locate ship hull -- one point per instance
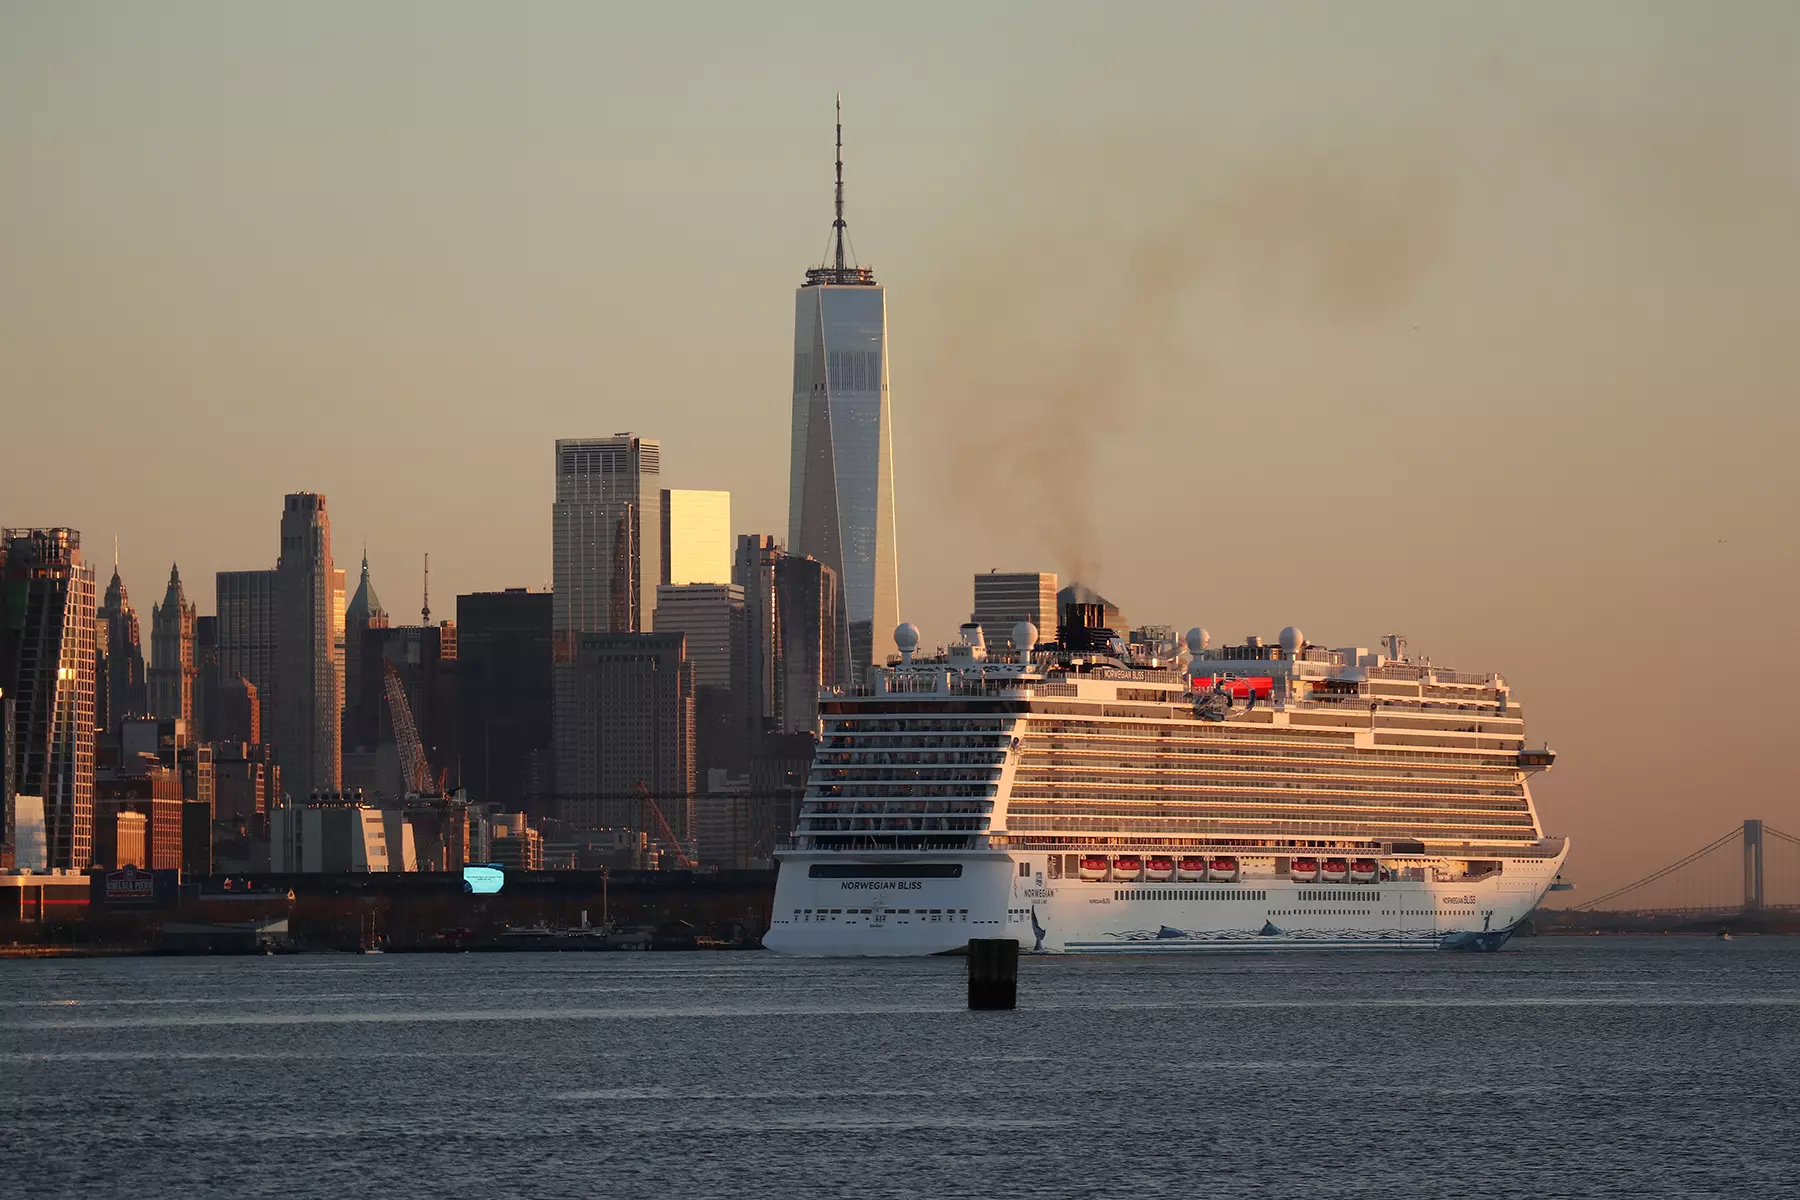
(869, 907)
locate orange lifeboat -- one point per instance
(1304, 870)
(1191, 869)
(1093, 867)
(1364, 870)
(1333, 870)
(1159, 868)
(1222, 869)
(1128, 866)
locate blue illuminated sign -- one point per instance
(484, 879)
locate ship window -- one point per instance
(1024, 870)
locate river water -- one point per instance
(1559, 1067)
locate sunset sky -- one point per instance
(1477, 323)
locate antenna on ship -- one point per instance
(838, 224)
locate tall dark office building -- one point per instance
(47, 661)
(423, 659)
(606, 549)
(246, 609)
(753, 570)
(809, 647)
(172, 655)
(711, 615)
(503, 697)
(309, 665)
(632, 718)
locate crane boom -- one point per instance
(653, 809)
(406, 735)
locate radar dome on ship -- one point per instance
(1025, 636)
(1197, 640)
(906, 637)
(1292, 640)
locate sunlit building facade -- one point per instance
(696, 533)
(47, 662)
(841, 476)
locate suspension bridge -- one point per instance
(1753, 868)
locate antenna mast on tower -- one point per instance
(838, 225)
(425, 608)
(838, 267)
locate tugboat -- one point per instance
(1304, 870)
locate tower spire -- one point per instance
(838, 224)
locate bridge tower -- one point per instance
(1753, 866)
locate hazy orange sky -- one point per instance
(1480, 323)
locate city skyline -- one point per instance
(1552, 458)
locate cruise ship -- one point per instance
(1099, 796)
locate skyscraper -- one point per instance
(607, 544)
(363, 614)
(841, 477)
(47, 663)
(126, 688)
(309, 687)
(606, 548)
(696, 537)
(809, 655)
(246, 610)
(753, 570)
(172, 655)
(1004, 598)
(711, 616)
(630, 716)
(503, 697)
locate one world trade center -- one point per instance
(841, 484)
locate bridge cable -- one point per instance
(1711, 846)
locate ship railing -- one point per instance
(791, 847)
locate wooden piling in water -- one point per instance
(993, 973)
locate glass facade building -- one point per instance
(841, 485)
(696, 537)
(841, 475)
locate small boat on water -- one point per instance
(1724, 935)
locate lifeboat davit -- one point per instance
(1093, 868)
(1128, 866)
(1333, 870)
(1191, 869)
(1159, 868)
(1364, 870)
(1222, 869)
(1304, 870)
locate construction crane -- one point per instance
(413, 765)
(652, 809)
